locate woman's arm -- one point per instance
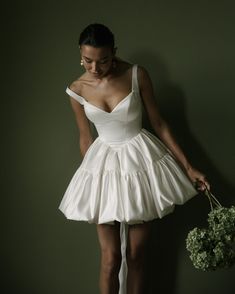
(85, 135)
(163, 131)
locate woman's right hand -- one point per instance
(198, 179)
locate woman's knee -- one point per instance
(111, 261)
(137, 241)
(135, 256)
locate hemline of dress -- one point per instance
(112, 221)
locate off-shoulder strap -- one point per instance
(74, 95)
(135, 85)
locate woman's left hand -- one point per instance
(198, 179)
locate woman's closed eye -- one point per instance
(100, 62)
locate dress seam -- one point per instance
(127, 173)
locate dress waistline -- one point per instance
(120, 142)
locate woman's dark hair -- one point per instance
(97, 35)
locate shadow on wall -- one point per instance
(169, 233)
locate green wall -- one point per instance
(188, 48)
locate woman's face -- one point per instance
(97, 61)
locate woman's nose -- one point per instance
(94, 67)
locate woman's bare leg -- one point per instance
(109, 239)
(137, 240)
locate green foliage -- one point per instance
(213, 247)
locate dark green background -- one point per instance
(188, 48)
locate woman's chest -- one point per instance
(106, 95)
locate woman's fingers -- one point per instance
(202, 184)
(199, 180)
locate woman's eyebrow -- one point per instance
(100, 59)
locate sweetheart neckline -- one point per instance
(108, 112)
(99, 108)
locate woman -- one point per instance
(128, 177)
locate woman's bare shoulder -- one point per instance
(142, 70)
(76, 85)
(143, 74)
(126, 67)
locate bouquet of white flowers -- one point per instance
(213, 247)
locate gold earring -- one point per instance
(81, 62)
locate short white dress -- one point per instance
(127, 174)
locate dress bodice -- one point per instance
(123, 122)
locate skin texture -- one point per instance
(105, 82)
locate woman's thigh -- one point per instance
(109, 237)
(138, 236)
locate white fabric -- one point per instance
(123, 270)
(74, 96)
(127, 173)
